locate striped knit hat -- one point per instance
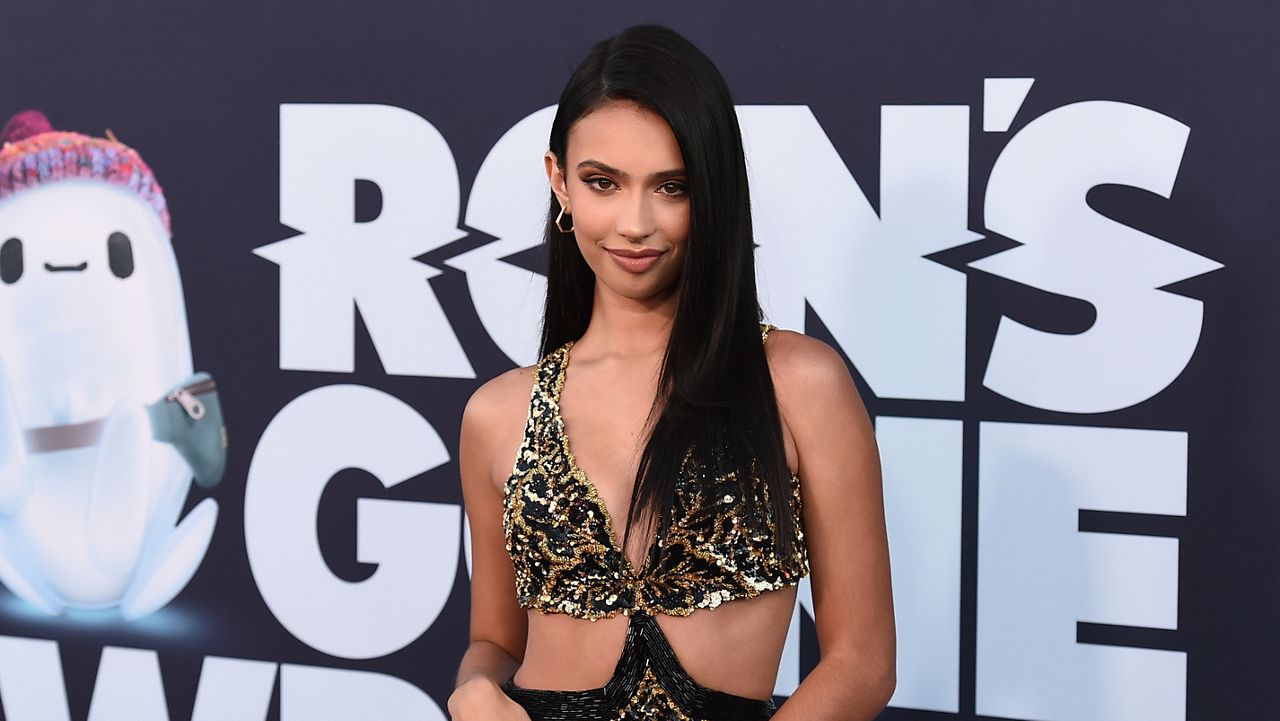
(32, 153)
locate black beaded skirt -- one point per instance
(648, 684)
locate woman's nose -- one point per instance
(635, 221)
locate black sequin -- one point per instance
(561, 541)
(648, 684)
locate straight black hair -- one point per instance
(715, 394)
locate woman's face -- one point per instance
(624, 184)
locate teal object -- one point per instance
(189, 417)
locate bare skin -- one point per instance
(623, 184)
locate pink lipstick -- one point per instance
(635, 261)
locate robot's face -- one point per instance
(75, 244)
(119, 259)
(90, 301)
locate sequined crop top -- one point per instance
(566, 559)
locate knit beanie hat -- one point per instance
(32, 153)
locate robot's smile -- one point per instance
(59, 268)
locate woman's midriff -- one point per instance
(735, 648)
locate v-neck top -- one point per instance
(567, 560)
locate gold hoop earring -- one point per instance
(560, 227)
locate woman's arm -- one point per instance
(839, 469)
(498, 624)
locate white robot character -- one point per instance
(102, 422)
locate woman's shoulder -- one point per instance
(801, 363)
(493, 424)
(504, 395)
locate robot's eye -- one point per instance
(11, 260)
(120, 254)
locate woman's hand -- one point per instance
(480, 699)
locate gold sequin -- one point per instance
(562, 546)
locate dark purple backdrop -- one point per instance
(198, 90)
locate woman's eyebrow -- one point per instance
(610, 170)
(668, 174)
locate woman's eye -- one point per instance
(672, 188)
(120, 254)
(11, 260)
(601, 183)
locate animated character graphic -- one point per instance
(102, 422)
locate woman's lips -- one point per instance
(635, 261)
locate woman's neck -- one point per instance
(627, 327)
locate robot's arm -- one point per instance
(14, 480)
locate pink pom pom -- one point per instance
(24, 125)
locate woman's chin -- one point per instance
(640, 289)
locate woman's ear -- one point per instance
(556, 177)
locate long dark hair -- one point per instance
(715, 394)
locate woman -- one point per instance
(736, 459)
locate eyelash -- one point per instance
(679, 189)
(595, 183)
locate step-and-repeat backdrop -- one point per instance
(1043, 235)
